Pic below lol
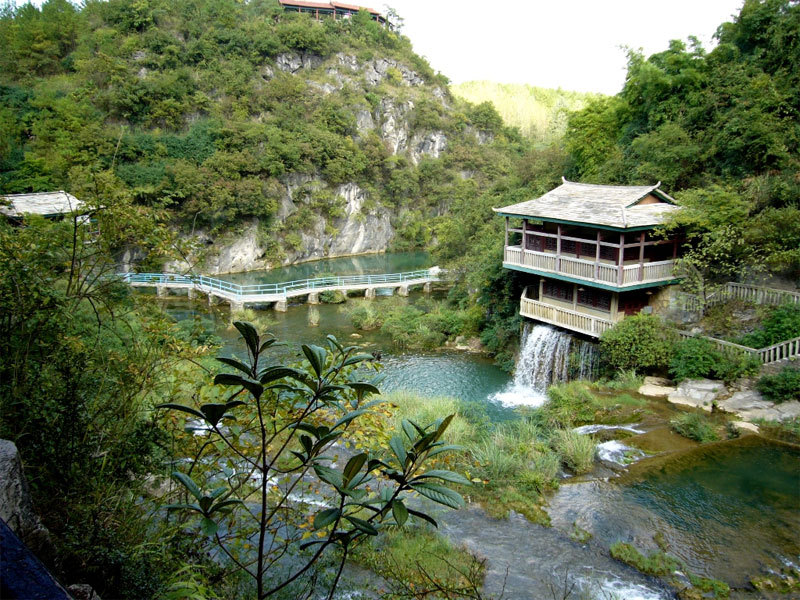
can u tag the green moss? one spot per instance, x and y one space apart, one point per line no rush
656 563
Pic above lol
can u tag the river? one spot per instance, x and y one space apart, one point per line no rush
729 510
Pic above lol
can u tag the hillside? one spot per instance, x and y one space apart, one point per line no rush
264 137
539 113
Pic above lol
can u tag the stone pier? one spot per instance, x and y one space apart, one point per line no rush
161 291
369 293
236 306
427 287
191 293
313 298
280 305
403 290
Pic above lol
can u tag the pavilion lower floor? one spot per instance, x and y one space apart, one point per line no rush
582 308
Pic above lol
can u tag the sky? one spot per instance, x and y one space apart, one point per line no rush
572 44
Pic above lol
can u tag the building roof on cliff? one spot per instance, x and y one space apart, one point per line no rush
47 204
614 206
326 5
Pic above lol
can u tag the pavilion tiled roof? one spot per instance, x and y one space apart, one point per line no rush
327 5
40 203
616 206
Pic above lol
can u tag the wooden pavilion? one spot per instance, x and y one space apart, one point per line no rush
335 10
594 250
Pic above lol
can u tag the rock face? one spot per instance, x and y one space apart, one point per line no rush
15 503
366 226
656 387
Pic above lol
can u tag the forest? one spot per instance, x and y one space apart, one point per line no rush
173 117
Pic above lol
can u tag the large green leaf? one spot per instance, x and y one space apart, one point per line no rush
316 356
399 512
213 413
232 362
329 475
276 372
188 484
326 517
354 360
208 526
423 516
440 494
224 506
249 334
396 444
444 476
363 387
362 525
348 417
183 408
254 387
353 466
443 426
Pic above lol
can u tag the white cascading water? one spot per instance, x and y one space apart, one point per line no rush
544 360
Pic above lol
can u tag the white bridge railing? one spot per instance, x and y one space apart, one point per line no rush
770 354
297 287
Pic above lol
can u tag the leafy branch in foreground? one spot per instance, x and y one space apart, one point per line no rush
265 455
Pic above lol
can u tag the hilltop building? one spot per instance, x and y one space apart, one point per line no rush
592 253
52 205
336 10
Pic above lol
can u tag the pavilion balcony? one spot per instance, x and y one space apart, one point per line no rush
603 273
574 320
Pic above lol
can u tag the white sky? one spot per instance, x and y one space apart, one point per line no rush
572 44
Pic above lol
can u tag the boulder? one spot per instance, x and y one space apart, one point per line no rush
742 426
657 387
698 393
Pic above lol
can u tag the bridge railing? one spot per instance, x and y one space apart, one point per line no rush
281 288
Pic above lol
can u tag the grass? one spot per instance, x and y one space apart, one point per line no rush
425 410
576 450
415 561
695 426
259 319
785 431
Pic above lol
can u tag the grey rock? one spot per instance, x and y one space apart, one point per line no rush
746 400
83 591
431 144
364 122
16 508
394 123
788 410
291 62
698 393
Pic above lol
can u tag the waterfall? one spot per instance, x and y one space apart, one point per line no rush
544 359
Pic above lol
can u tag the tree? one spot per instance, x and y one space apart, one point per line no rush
268 440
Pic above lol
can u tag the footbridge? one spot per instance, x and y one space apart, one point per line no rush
278 294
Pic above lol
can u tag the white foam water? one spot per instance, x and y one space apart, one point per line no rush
543 360
587 429
617 589
618 453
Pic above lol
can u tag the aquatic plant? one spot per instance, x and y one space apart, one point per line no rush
695 427
576 450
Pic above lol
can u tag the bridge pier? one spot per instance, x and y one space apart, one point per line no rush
280 306
190 293
369 293
236 306
313 298
161 291
211 300
427 287
403 290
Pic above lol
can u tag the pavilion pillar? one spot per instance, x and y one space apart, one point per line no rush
507 231
558 247
621 259
524 236
541 289
674 248
574 296
641 257
597 257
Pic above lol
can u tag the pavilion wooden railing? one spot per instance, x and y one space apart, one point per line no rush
588 269
770 354
563 317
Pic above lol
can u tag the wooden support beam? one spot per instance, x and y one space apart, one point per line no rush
674 248
574 296
597 257
507 231
621 259
558 248
524 234
641 257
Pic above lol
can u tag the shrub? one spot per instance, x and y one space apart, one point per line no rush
696 358
641 343
332 297
783 386
695 427
781 324
576 450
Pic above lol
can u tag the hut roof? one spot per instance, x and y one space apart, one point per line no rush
40 203
326 5
616 206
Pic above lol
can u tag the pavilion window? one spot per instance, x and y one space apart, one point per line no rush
608 253
550 244
557 290
597 299
568 247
